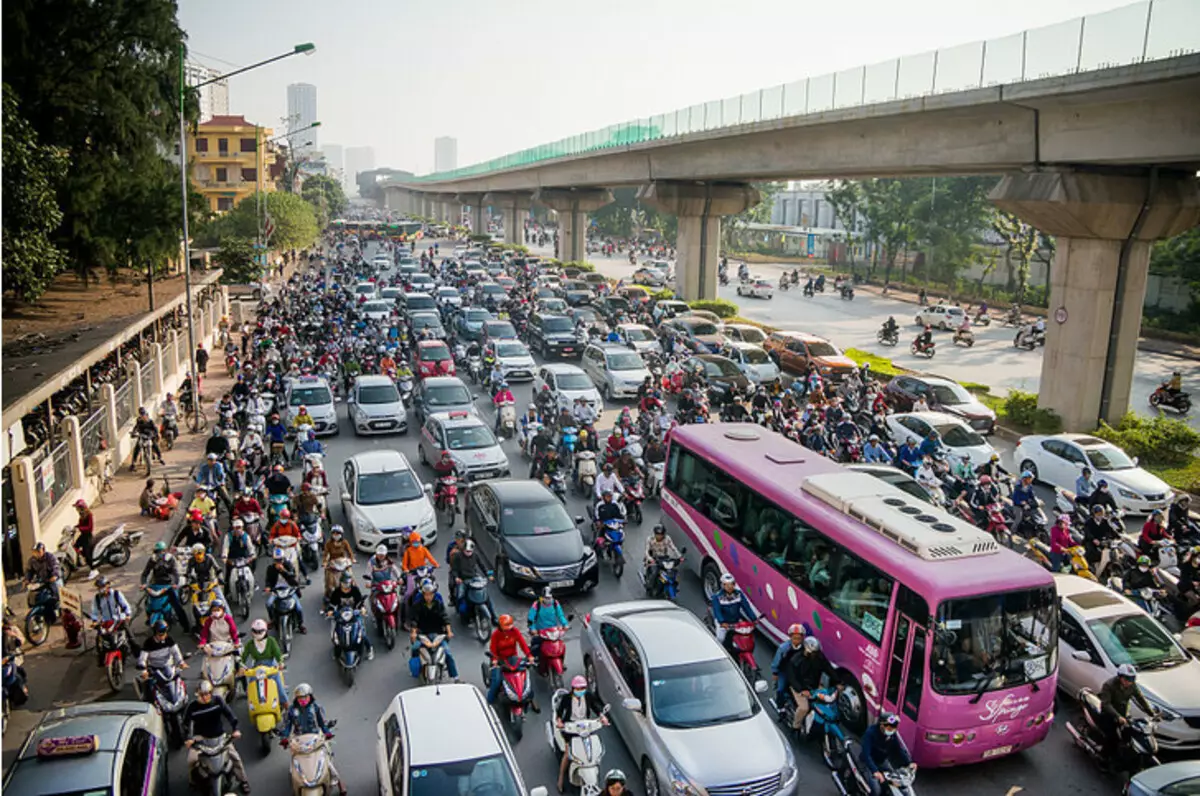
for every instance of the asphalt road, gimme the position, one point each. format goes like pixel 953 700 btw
pixel 853 324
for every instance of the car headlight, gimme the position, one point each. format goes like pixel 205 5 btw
pixel 1128 494
pixel 1167 713
pixel 368 527
pixel 522 570
pixel 589 559
pixel 787 774
pixel 681 785
pixel 429 523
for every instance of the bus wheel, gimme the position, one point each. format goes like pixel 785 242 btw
pixel 854 706
pixel 710 578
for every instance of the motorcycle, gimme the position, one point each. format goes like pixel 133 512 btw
pixel 385 605
pixel 276 504
pixel 43 612
pixel 1013 317
pixel 1029 337
pixel 262 701
pixel 169 431
pixel 114 548
pixel 586 751
pixel 585 473
pixel 982 319
pixel 333 573
pixel 218 668
pixel 516 688
pixel 664 581
pixel 825 718
pixel 964 337
pixel 405 386
pixel 16 692
pixel 847 292
pixel 212 772
pixel 312 774
pixel 203 596
pixel 313 539
pixel 632 498
pixel 743 645
pixel 557 482
pixel 886 337
pixel 508 419
pixel 1180 403
pixel 610 544
pixel 474 609
pixel 283 615
pixel 113 641
pixel 446 498
pixel 654 478
pixel 431 651
pixel 1137 747
pixel 923 350
pixel 347 637
pixel 170 697
pixel 552 653
pixel 252 523
pixel 530 431
pixel 241 581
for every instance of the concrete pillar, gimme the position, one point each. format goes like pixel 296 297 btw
pixel 108 397
pixel 515 207
pixel 133 371
pixel 156 356
pixel 699 207
pixel 171 362
pixel 572 206
pixel 69 430
pixel 1104 227
pixel 29 521
pixel 478 211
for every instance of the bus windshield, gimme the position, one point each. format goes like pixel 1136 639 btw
pixel 996 641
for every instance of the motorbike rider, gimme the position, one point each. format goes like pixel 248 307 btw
pixel 531 416
pixel 211 475
pixel 282 569
pixel 927 476
pixel 547 466
pixel 658 546
pixel 627 468
pixel 1103 497
pixel 607 509
pixel 1115 696
pixel 416 554
pixel 464 567
pixel 991 468
pixel 1084 487
pixel 503 396
pixel 43 569
pixel 158 652
pixel 874 452
pixel 261 649
pixel 545 401
pixel 504 644
pixel 1179 518
pixel 1154 531
pixel 306 717
pixel 381 566
pixel 218 626
pixel 1096 531
pixel 246 503
pixel 349 594
pixel 308 505
pixel 729 606
pixel 144 427
pixel 608 481
pixel 428 617
pixel 206 717
pixel 276 431
pixel 337 547
pixel 804 673
pixel 1174 386
pixel 545 613
pixel 1023 499
pixel 1142 576
pixel 286 526
pixel 925 338
pixel 216 444
pixel 237 544
pixel 909 456
pixel 579 704
pixel 791 646
pixel 882 748
pixel 110 605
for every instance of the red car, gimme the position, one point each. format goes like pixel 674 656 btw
pixel 433 359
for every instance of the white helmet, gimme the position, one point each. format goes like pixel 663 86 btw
pixel 381 550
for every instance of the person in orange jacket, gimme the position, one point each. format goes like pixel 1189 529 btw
pixel 286 526
pixel 417 554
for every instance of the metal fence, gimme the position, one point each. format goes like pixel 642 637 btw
pixel 93 431
pixel 146 375
pixel 124 400
pixel 42 478
pixel 60 474
pixel 1147 31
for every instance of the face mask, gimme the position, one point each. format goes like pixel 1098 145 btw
pixel 1144 569
pixel 580 694
pixel 888 733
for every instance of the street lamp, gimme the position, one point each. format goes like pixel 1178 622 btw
pixel 306 49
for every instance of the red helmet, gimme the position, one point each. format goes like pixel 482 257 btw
pixel 284 514
pixel 505 622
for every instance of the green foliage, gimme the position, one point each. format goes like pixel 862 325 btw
pixel 31 173
pixel 722 308
pixel 326 196
pixel 295 221
pixel 1160 441
pixel 757 214
pixel 1022 410
pixel 581 265
pixel 625 217
pixel 99 79
pixel 481 238
pixel 236 256
pixel 513 247
pixel 1178 256
pixel 947 219
pixel 662 295
pixel 880 367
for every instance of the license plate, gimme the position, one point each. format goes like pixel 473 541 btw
pixel 999 750
pixel 568 349
pixel 561 584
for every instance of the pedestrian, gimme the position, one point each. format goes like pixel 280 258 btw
pixel 201 359
pixel 86 528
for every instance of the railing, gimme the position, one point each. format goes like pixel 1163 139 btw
pixel 60 470
pixel 1146 31
pixel 92 432
pixel 146 377
pixel 124 400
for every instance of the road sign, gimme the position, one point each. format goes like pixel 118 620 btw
pixel 71 601
pixel 269 228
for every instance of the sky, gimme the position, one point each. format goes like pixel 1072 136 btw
pixel 502 76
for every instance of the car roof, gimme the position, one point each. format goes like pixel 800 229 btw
pixel 712 357
pixel 742 345
pixel 612 348
pixel 1160 777
pixel 807 337
pixel 634 326
pixel 669 635
pixel 372 380
pixel 308 381
pixel 933 418
pixel 382 460
pixel 744 326
pixel 1090 599
pixel 465 420
pixel 432 739
pixel 562 367
pixel 521 491
pixel 443 381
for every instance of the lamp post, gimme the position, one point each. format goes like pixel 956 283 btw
pixel 299 49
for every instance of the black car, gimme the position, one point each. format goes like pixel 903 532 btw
pixel 720 372
pixel 612 306
pixel 553 335
pixel 529 538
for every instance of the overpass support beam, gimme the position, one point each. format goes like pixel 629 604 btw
pixel 478 211
pixel 572 206
pixel 515 207
pixel 1105 225
pixel 699 207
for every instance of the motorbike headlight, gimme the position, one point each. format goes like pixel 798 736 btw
pixel 680 784
pixel 521 569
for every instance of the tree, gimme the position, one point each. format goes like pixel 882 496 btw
pixel 325 194
pixel 845 197
pixel 295 221
pixel 99 79
pixel 1021 240
pixel 31 173
pixel 755 214
pixel 887 206
pixel 948 216
pixel 236 256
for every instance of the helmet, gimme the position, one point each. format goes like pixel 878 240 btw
pixel 660 529
pixel 505 621
pixel 1143 561
pixel 614 775
pixel 889 719
pixel 1026 474
pixel 277 554
pixel 812 644
pixel 160 546
pixel 346 579
pixel 414 538
pixel 284 514
pixel 728 580
pixel 578 681
pixel 217 603
pixel 984 480
pixel 161 626
pixel 427 586
pixel 238 524
pixel 1127 671
pixel 1102 484
pixel 205 687
pixel 197 549
pixel 302 690
pixel 1098 509
pixel 995 457
pixel 212 457
pixel 80 504
pixel 335 530
pixel 533 407
pixel 258 626
pixel 797 629
pixel 381 550
pixel 468 547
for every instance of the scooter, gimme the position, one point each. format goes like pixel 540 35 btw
pixel 552 653
pixel 170 697
pixel 654 478
pixel 447 498
pixel 218 668
pixel 632 498
pixel 212 773
pixel 531 430
pixel 743 645
pixel 1029 337
pixel 116 547
pixel 1137 748
pixel 202 600
pixel 516 686
pixel 262 701
pixel 508 419
pixel 312 540
pixel 610 544
pixel 405 386
pixel 43 612
pixel 926 350
pixel 847 292
pixel 333 573
pixel 585 473
pixel 888 338
pixel 241 582
pixel 312 773
pixel 283 615
pixel 825 718
pixel 473 608
pixel 1180 403
pixel 16 692
pixel 964 337
pixel 586 752
pixel 276 504
pixel 385 605
pixel 431 651
pixel 113 641
pixel 347 637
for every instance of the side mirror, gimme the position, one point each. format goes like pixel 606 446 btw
pixel 760 686
pixel 579 519
pixel 474 397
pixel 682 552
pixel 428 488
pixel 1081 655
pixel 632 704
pixel 491 527
pixel 540 790
pixel 1135 461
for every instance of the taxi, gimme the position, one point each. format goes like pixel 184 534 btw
pixel 470 442
pixel 433 358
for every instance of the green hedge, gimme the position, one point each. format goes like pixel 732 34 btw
pixel 581 265
pixel 1159 441
pixel 722 308
pixel 662 295
pixel 481 238
pixel 1021 409
pixel 880 366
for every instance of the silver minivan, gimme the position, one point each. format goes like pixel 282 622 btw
pixel 614 369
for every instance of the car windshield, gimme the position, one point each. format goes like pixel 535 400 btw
pixel 720 367
pixel 700 694
pixel 478 316
pixel 424 321
pixel 447 292
pixel 617 303
pixel 949 394
pixel 365 290
pixel 511 350
pixel 1109 457
pixel 485 776
pixel 435 353
pixel 310 396
pixel 586 315
pixel 378 394
pixel 959 436
pixel 752 336
pixel 1139 640
pixel 493 290
pixel 822 349
pixel 447 395
pixel 557 324
pixel 625 360
pixel 539 519
pixel 554 304
pixel 375 489
pixel 704 327
pixel 638 334
pixel 995 642
pixel 755 356
pixel 377 306
pixel 469 438
pixel 573 381
pixel 420 303
pixel 501 329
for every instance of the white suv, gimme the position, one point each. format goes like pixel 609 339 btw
pixel 313 393
pixel 616 370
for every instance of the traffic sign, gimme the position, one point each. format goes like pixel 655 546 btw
pixel 269 228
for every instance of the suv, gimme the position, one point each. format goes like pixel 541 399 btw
pixel 313 393
pixel 470 323
pixel 616 370
pixel 795 351
pixel 415 744
pixel 470 442
pixel 553 335
pixel 381 497
pixel 943 395
pixel 414 302
pixel 942 316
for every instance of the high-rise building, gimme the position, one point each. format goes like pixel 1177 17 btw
pixel 445 153
pixel 302 112
pixel 214 98
pixel 358 158
pixel 334 162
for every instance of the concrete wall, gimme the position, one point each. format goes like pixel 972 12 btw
pixel 1166 293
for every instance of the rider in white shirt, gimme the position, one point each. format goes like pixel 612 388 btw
pixel 608 482
pixel 926 476
pixel 584 413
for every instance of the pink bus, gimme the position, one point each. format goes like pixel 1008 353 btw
pixel 922 614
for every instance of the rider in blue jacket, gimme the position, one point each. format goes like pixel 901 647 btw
pixel 730 605
pixel 792 645
pixel 932 445
pixel 882 750
pixel 545 613
pixel 909 456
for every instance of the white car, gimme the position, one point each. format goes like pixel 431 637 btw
pixel 567 383
pixel 756 287
pixel 958 438
pixel 375 406
pixel 1099 630
pixel 640 338
pixel 516 363
pixel 313 393
pixel 378 309
pixel 450 296
pixel 744 333
pixel 941 316
pixel 382 497
pixel 616 370
pixel 470 442
pixel 1059 459
pixel 367 289
pixel 382 261
pixel 752 360
pixel 391 293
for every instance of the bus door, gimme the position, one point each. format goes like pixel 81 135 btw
pixel 906 656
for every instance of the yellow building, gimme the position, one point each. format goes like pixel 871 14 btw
pixel 226 163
